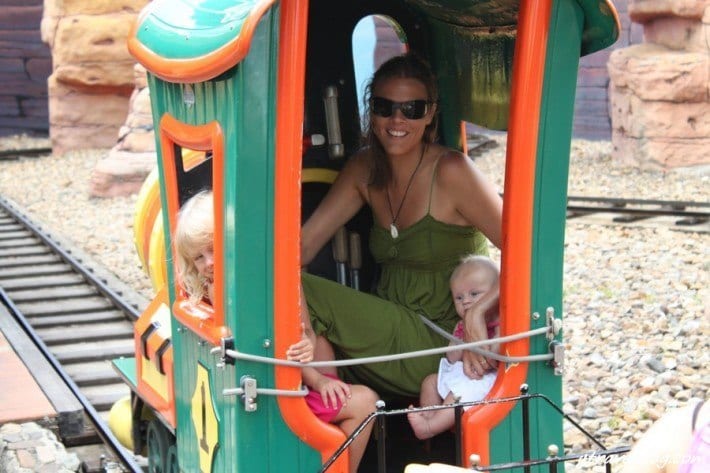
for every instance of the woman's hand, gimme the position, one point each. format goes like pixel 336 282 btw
pixel 332 391
pixel 475 329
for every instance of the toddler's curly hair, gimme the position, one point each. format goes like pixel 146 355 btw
pixel 194 231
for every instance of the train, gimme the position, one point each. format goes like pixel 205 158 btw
pixel 258 101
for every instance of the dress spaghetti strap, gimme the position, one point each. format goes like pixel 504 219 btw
pixel 431 185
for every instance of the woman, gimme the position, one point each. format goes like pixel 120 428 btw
pixel 431 206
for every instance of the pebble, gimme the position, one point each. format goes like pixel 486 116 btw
pixel 636 299
pixel 28 448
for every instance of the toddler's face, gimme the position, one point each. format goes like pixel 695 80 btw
pixel 468 287
pixel 204 263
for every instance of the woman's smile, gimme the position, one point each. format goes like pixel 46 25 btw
pixel 397 134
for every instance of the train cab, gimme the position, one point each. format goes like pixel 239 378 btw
pixel 258 101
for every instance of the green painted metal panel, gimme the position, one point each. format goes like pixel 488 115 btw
pixel 258 441
pixel 600 26
pixel 562 61
pixel 472 54
pixel 470 12
pixel 127 368
pixel 474 69
pixel 186 29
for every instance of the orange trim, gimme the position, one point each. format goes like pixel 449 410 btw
pixel 464 140
pixel 202 68
pixel 610 6
pixel 165 406
pixel 201 138
pixel 289 141
pixel 526 96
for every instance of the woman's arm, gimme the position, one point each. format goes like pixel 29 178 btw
pixel 664 446
pixel 341 203
pixel 474 364
pixel 303 349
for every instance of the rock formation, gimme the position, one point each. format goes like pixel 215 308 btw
pixel 125 167
pixel 92 76
pixel 660 90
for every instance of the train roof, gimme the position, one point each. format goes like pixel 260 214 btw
pixel 200 39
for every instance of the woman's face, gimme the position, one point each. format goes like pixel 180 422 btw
pixel 398 134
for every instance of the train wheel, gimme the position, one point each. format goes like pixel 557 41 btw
pixel 158 445
pixel 171 462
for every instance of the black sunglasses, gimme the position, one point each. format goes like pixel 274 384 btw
pixel 411 109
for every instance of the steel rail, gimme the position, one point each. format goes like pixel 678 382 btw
pixel 639 207
pixel 101 428
pixel 622 200
pixel 86 272
pixel 100 285
pixel 17 153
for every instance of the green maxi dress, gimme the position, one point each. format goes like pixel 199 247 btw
pixel 414 280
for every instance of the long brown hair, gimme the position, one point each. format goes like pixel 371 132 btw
pixel 406 66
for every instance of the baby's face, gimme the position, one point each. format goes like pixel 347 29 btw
pixel 203 260
pixel 468 287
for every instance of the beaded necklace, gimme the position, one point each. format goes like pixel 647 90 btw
pixel 393 226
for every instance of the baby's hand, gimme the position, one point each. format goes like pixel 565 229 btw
pixel 301 351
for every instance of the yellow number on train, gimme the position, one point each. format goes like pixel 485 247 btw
pixel 204 419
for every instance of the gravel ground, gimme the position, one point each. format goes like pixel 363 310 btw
pixel 636 299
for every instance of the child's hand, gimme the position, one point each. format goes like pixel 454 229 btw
pixel 332 391
pixel 301 351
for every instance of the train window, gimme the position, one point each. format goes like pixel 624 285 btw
pixel 376 38
pixel 193 171
pixel 364 41
pixel 190 154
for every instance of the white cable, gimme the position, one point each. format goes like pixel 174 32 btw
pixel 267 392
pixel 486 353
pixel 399 356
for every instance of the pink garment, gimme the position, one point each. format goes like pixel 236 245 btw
pixel 697 459
pixel 315 404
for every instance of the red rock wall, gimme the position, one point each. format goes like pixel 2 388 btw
pixel 660 90
pixel 591 108
pixel 126 165
pixel 92 79
pixel 25 64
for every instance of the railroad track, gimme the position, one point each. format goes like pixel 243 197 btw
pixel 689 215
pixel 77 316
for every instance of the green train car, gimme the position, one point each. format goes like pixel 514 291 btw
pixel 242 92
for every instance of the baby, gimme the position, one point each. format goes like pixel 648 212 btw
pixel 473 277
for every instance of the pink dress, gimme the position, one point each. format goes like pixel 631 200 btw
pixel 316 404
pixel 697 459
